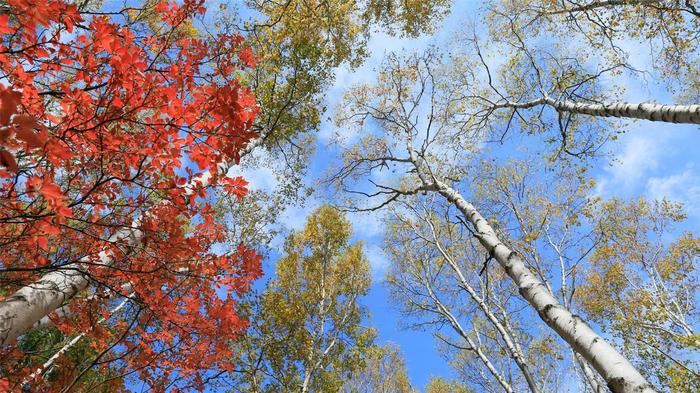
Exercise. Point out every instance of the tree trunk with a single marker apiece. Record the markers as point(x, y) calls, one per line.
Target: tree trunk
point(689, 114)
point(617, 371)
point(472, 346)
point(515, 353)
point(484, 359)
point(26, 307)
point(74, 341)
point(588, 374)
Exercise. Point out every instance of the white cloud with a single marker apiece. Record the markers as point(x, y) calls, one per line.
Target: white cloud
point(638, 158)
point(641, 155)
point(260, 178)
point(366, 225)
point(378, 261)
point(682, 187)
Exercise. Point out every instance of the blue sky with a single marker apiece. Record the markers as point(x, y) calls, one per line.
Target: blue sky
point(651, 159)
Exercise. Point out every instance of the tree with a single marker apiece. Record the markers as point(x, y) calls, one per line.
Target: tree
point(382, 370)
point(667, 28)
point(298, 45)
point(428, 165)
point(441, 385)
point(115, 127)
point(439, 277)
point(641, 288)
point(307, 327)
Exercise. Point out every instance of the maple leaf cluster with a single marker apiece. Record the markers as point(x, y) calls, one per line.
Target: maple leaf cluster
point(107, 122)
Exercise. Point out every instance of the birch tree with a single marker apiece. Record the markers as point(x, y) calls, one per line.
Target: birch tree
point(382, 369)
point(539, 221)
point(298, 47)
point(307, 322)
point(441, 385)
point(665, 31)
point(572, 89)
point(642, 288)
point(552, 90)
point(427, 140)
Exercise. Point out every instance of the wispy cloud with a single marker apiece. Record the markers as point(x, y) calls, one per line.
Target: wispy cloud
point(682, 187)
point(378, 261)
point(639, 156)
point(653, 160)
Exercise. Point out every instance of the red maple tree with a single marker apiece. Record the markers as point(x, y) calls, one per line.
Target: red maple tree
point(112, 120)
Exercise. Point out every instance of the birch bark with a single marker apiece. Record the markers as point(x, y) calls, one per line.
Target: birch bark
point(615, 369)
point(687, 114)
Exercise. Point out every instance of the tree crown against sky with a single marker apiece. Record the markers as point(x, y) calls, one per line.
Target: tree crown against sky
point(481, 159)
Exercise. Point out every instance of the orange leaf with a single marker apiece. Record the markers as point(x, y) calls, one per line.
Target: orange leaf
point(8, 161)
point(51, 191)
point(25, 132)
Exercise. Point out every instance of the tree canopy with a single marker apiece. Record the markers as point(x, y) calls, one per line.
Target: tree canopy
point(465, 186)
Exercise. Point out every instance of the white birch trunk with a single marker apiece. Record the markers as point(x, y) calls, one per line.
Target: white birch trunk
point(615, 369)
point(28, 305)
point(65, 311)
point(74, 341)
point(484, 359)
point(688, 114)
point(460, 330)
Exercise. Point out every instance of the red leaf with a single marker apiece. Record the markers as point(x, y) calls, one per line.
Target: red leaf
point(26, 133)
point(51, 191)
point(43, 242)
point(8, 160)
point(9, 99)
point(5, 24)
point(64, 211)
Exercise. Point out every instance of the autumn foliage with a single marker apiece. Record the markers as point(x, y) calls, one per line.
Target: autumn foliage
point(106, 121)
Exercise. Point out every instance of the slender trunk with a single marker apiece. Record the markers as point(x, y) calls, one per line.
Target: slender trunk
point(688, 114)
point(28, 305)
point(472, 346)
point(305, 384)
point(615, 369)
point(74, 341)
point(588, 374)
point(484, 359)
point(515, 353)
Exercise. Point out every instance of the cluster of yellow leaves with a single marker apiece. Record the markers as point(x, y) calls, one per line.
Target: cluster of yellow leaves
point(642, 290)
